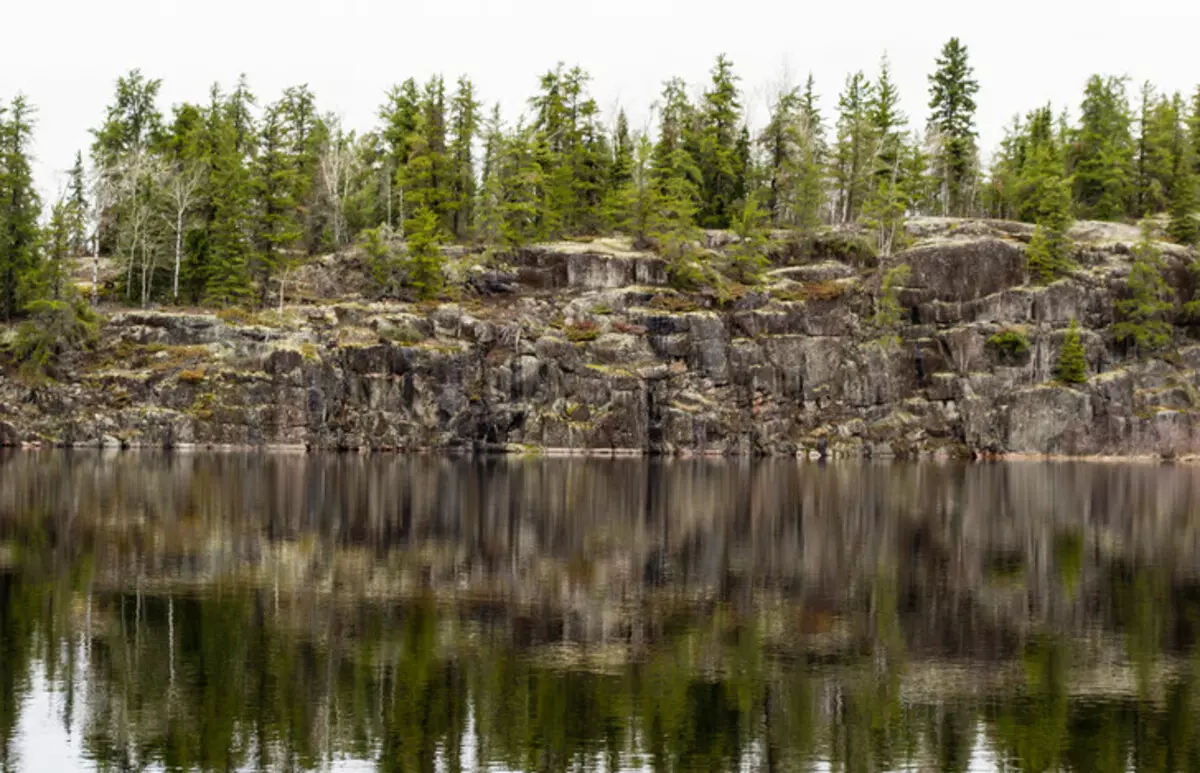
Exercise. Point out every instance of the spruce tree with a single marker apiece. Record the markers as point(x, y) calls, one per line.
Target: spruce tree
point(20, 208)
point(1141, 315)
point(489, 219)
point(952, 89)
point(721, 151)
point(1157, 131)
point(520, 183)
point(228, 273)
point(1048, 256)
point(887, 123)
point(780, 143)
point(853, 155)
point(77, 208)
point(426, 177)
point(1103, 151)
point(276, 177)
point(809, 197)
point(1183, 226)
point(425, 254)
point(464, 122)
point(623, 149)
point(55, 280)
point(401, 115)
point(305, 133)
point(1071, 367)
point(635, 206)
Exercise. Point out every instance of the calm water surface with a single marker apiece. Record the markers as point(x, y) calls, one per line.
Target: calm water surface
point(227, 612)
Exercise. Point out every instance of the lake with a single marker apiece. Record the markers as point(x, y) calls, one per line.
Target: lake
point(411, 613)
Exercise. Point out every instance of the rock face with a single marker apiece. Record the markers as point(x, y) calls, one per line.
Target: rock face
point(584, 348)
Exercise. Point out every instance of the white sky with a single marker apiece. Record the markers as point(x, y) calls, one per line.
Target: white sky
point(66, 54)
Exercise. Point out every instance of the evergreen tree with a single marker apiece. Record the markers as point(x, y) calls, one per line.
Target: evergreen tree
point(401, 115)
point(425, 254)
point(489, 221)
point(853, 155)
point(952, 89)
point(895, 195)
point(426, 177)
point(1048, 256)
point(1183, 226)
point(227, 279)
point(20, 208)
point(809, 196)
point(55, 280)
point(520, 182)
point(1158, 126)
point(464, 119)
point(719, 155)
point(77, 208)
point(887, 124)
point(748, 255)
point(1142, 314)
point(780, 142)
point(623, 147)
point(1103, 151)
point(1071, 367)
point(637, 203)
point(306, 134)
point(276, 180)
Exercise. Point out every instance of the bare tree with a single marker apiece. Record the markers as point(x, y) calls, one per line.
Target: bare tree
point(183, 191)
point(338, 166)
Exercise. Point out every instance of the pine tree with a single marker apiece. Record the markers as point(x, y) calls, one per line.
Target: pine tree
point(55, 276)
point(1142, 314)
point(1103, 151)
point(623, 146)
point(747, 255)
point(425, 254)
point(718, 156)
point(780, 142)
point(887, 124)
point(401, 116)
point(306, 133)
point(77, 208)
point(521, 183)
point(636, 205)
point(1157, 130)
point(952, 89)
point(489, 220)
point(426, 177)
point(276, 178)
point(853, 155)
point(1048, 256)
point(228, 275)
point(809, 196)
point(20, 209)
point(1071, 367)
point(1183, 226)
point(464, 121)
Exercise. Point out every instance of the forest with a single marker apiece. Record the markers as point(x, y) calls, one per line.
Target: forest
point(218, 202)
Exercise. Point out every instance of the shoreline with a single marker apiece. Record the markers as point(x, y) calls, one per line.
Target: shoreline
point(301, 449)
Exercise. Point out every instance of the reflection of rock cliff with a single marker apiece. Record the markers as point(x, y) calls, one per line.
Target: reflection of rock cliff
point(583, 347)
point(974, 560)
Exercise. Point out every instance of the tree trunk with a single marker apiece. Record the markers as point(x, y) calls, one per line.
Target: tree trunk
point(178, 253)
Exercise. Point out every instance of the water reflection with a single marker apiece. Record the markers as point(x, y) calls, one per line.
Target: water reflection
point(218, 612)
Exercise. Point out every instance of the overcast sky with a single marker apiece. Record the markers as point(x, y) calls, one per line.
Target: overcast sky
point(66, 54)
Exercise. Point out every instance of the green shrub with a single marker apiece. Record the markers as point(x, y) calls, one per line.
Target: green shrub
point(1010, 345)
point(889, 314)
point(584, 330)
point(54, 328)
point(1072, 363)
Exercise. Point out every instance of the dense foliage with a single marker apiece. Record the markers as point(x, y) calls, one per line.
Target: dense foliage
point(218, 201)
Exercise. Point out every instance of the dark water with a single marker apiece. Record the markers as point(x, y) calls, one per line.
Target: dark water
point(422, 614)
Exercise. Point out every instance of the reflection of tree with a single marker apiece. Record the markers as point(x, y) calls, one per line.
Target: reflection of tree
point(272, 613)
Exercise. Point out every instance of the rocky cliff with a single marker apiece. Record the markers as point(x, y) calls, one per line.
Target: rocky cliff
point(585, 347)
